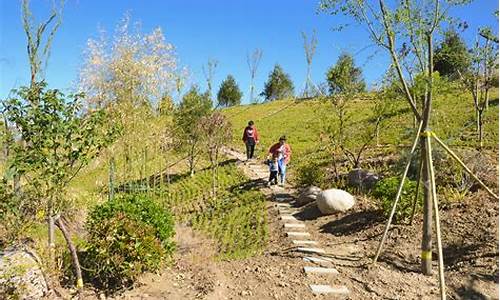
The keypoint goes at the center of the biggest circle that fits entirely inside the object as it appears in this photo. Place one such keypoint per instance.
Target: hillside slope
(304, 122)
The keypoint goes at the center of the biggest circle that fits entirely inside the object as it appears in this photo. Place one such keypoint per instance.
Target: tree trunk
(480, 124)
(214, 183)
(377, 134)
(426, 247)
(74, 255)
(51, 240)
(478, 113)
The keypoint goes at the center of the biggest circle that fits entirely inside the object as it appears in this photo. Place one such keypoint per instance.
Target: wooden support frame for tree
(398, 194)
(417, 192)
(429, 168)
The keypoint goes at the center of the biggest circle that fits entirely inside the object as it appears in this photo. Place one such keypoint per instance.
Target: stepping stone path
(299, 238)
(293, 233)
(294, 225)
(302, 242)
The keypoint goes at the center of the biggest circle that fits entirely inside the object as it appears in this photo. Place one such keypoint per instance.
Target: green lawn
(303, 121)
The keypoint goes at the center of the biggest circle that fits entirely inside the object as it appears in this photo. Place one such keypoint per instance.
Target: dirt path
(347, 240)
(195, 273)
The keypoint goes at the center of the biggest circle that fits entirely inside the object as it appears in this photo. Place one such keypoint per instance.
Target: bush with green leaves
(386, 189)
(311, 173)
(127, 236)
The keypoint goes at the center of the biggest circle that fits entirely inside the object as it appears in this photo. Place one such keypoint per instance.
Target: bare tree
(481, 77)
(253, 64)
(209, 73)
(39, 42)
(216, 132)
(310, 89)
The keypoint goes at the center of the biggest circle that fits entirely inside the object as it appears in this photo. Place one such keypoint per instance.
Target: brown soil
(469, 231)
(470, 248)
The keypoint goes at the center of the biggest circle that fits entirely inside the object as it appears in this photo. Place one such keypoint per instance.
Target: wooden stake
(464, 166)
(417, 190)
(430, 169)
(398, 195)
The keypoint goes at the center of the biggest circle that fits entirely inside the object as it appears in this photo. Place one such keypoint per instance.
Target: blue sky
(222, 30)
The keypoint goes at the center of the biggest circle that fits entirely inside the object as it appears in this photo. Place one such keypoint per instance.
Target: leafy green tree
(278, 85)
(192, 108)
(451, 56)
(345, 77)
(56, 140)
(229, 93)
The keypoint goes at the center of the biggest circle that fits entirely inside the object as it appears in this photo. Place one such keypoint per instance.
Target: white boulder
(334, 200)
(308, 195)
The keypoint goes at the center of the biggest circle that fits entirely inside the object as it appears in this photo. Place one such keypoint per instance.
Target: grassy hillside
(304, 121)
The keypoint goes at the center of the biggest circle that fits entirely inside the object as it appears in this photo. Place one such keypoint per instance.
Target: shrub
(126, 237)
(386, 190)
(310, 173)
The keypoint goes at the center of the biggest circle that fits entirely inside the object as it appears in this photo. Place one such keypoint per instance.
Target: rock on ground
(308, 195)
(362, 178)
(334, 200)
(21, 275)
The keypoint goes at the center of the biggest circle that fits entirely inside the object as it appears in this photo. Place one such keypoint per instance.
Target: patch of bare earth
(470, 246)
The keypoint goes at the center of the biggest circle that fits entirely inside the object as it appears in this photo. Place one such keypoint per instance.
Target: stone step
(321, 270)
(294, 225)
(317, 259)
(288, 218)
(326, 289)
(296, 242)
(310, 250)
(298, 234)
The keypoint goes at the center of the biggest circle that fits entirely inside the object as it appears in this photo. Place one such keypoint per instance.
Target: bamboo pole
(111, 185)
(464, 166)
(417, 189)
(430, 169)
(398, 195)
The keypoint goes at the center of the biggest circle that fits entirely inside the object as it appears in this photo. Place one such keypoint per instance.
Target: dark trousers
(273, 177)
(250, 150)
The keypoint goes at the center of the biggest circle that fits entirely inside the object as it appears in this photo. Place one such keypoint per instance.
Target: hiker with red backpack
(250, 138)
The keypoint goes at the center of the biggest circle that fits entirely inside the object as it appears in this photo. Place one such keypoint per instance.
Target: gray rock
(20, 274)
(308, 195)
(334, 200)
(362, 178)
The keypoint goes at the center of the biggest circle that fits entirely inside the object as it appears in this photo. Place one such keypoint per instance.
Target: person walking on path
(283, 151)
(250, 138)
(273, 170)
